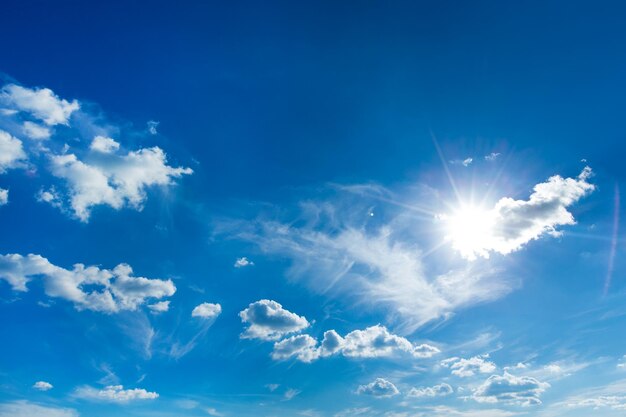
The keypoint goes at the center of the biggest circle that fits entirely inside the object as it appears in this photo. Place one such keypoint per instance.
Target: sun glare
(470, 228)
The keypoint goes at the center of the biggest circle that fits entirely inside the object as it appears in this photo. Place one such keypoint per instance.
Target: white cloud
(160, 307)
(268, 320)
(114, 393)
(42, 386)
(104, 145)
(513, 223)
(439, 390)
(152, 127)
(243, 262)
(492, 156)
(303, 347)
(116, 289)
(377, 341)
(510, 389)
(4, 196)
(23, 408)
(290, 394)
(372, 342)
(35, 131)
(614, 402)
(12, 153)
(41, 103)
(377, 267)
(207, 311)
(465, 162)
(379, 388)
(469, 367)
(116, 181)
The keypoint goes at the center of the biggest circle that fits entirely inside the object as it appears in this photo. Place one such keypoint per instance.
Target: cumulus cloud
(372, 342)
(510, 389)
(40, 103)
(12, 153)
(268, 320)
(440, 390)
(104, 145)
(88, 288)
(117, 181)
(114, 393)
(4, 196)
(243, 262)
(42, 386)
(207, 311)
(160, 307)
(379, 388)
(511, 224)
(23, 408)
(303, 347)
(94, 168)
(469, 367)
(35, 131)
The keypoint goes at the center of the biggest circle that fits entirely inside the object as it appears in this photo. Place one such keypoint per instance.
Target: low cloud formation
(114, 393)
(4, 196)
(40, 103)
(88, 288)
(440, 390)
(12, 153)
(511, 224)
(118, 181)
(372, 342)
(268, 320)
(95, 170)
(42, 386)
(160, 307)
(243, 262)
(510, 389)
(469, 367)
(207, 311)
(379, 388)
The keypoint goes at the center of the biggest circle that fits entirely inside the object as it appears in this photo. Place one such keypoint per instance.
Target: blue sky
(398, 209)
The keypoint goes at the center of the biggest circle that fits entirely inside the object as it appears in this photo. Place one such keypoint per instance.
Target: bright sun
(470, 228)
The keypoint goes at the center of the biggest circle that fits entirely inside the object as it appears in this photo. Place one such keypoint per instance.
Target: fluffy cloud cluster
(469, 367)
(207, 311)
(379, 388)
(243, 262)
(4, 196)
(268, 320)
(524, 390)
(98, 174)
(113, 180)
(372, 342)
(439, 390)
(89, 288)
(42, 386)
(115, 393)
(40, 103)
(12, 153)
(513, 223)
